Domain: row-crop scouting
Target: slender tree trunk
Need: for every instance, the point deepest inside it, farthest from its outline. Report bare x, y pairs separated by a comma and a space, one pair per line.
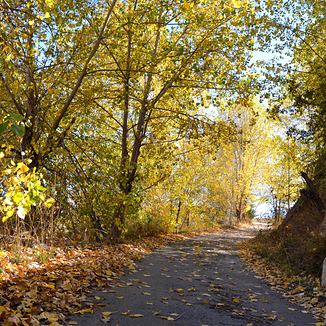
288, 196
129, 164
178, 215
99, 230
125, 183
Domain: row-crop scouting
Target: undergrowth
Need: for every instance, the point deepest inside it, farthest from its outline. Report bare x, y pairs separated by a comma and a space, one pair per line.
293, 254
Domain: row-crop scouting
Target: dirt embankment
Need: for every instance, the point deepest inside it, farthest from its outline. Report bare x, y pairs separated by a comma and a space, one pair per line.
298, 245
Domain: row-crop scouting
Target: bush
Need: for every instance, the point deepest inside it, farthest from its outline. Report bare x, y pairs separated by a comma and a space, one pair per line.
145, 227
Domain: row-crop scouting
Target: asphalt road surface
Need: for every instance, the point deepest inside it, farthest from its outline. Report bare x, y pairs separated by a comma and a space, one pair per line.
195, 282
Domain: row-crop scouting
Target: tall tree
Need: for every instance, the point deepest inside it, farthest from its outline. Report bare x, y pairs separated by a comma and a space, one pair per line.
47, 48
161, 56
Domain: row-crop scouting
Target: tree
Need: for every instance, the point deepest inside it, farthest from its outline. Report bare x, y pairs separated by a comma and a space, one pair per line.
215, 180
307, 83
44, 61
288, 158
47, 49
162, 56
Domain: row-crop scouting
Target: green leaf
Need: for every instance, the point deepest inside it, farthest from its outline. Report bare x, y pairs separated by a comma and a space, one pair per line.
3, 127
19, 130
15, 117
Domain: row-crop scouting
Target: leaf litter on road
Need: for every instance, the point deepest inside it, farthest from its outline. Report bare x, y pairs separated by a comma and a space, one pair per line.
32, 293
305, 291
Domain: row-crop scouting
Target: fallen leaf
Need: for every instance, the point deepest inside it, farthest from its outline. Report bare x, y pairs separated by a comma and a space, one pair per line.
167, 318
50, 316
135, 315
131, 315
106, 313
84, 311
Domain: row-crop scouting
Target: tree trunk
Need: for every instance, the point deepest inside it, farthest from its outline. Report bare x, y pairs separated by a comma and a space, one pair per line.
99, 230
178, 215
117, 223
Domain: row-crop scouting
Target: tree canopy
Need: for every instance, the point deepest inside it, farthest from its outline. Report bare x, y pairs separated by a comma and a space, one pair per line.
138, 117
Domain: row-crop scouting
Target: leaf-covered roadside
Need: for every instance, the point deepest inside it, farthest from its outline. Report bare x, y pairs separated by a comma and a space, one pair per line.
305, 291
35, 293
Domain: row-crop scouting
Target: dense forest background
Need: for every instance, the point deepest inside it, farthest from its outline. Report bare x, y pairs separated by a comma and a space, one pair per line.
132, 118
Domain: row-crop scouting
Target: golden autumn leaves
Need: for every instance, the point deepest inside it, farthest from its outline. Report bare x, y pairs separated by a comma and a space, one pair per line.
23, 190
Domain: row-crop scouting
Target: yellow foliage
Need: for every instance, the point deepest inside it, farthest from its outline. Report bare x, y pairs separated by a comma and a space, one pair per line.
21, 168
23, 189
236, 3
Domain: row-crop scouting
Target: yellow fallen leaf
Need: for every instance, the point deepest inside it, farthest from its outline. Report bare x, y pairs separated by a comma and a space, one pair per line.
135, 315
50, 286
106, 313
23, 322
129, 314
3, 309
84, 311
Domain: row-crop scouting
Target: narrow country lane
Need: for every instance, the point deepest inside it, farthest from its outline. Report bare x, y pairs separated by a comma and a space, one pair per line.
196, 282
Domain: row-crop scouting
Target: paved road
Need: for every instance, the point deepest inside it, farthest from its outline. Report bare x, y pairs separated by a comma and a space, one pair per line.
194, 283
